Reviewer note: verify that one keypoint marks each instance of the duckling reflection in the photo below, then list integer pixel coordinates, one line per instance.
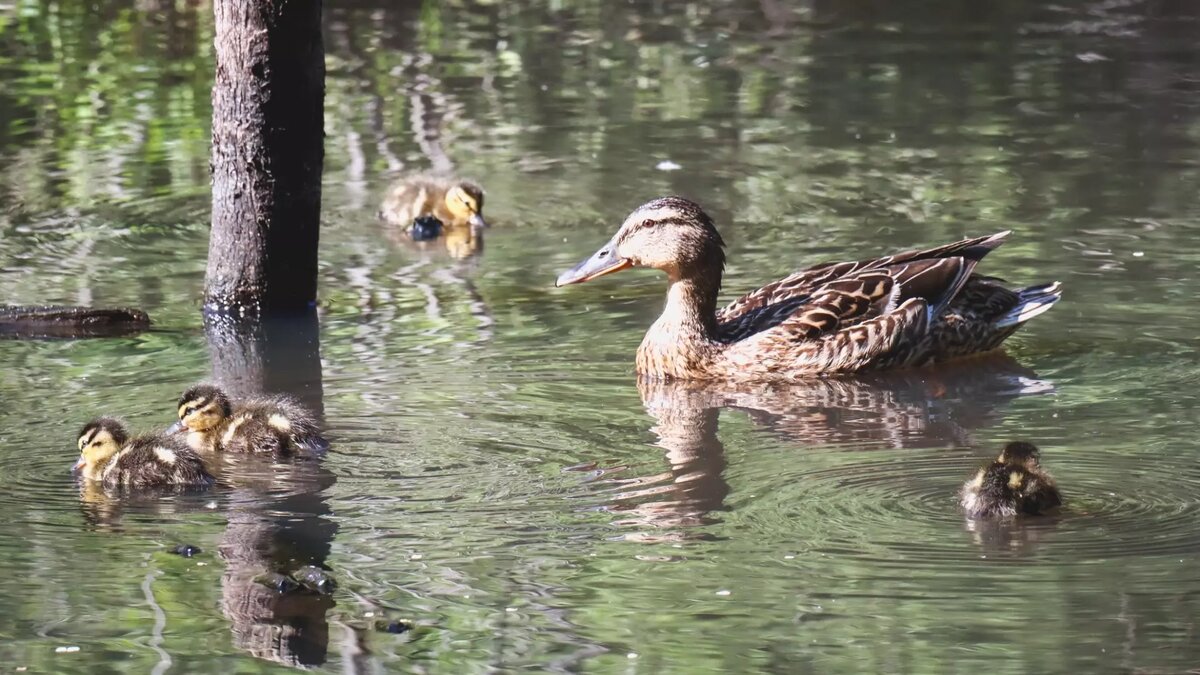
(459, 242)
(933, 407)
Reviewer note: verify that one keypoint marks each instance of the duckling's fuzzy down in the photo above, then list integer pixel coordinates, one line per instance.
(268, 425)
(1012, 485)
(145, 461)
(150, 461)
(453, 201)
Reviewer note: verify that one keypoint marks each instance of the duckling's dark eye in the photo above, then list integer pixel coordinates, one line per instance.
(189, 410)
(649, 223)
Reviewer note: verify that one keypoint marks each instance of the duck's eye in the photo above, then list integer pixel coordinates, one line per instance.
(649, 223)
(189, 410)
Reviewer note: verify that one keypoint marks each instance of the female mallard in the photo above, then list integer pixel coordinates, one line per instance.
(1014, 484)
(452, 201)
(900, 310)
(275, 424)
(108, 455)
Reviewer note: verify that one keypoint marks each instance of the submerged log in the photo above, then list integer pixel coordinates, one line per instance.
(61, 321)
(267, 157)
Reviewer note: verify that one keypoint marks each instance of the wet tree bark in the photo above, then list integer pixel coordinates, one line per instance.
(267, 156)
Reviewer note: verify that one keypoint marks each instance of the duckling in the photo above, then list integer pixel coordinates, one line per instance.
(453, 201)
(108, 455)
(1014, 484)
(276, 424)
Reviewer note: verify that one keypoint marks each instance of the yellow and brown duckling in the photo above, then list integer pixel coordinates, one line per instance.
(274, 424)
(1015, 484)
(456, 203)
(905, 309)
(109, 456)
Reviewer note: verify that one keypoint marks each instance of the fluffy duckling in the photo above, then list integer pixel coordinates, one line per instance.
(453, 201)
(276, 424)
(1014, 484)
(108, 455)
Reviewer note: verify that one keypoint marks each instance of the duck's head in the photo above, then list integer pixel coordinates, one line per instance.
(1020, 454)
(202, 407)
(671, 234)
(98, 441)
(464, 201)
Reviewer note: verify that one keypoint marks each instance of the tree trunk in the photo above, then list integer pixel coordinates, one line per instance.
(267, 156)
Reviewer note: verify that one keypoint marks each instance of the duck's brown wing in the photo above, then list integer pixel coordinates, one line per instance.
(793, 349)
(866, 314)
(935, 274)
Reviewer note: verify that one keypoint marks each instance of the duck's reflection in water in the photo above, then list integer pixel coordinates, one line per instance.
(277, 511)
(919, 408)
(664, 506)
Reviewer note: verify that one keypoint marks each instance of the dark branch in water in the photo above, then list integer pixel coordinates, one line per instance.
(57, 321)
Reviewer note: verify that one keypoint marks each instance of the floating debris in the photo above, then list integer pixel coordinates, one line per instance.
(66, 650)
(315, 579)
(426, 228)
(668, 165)
(187, 550)
(394, 627)
(280, 583)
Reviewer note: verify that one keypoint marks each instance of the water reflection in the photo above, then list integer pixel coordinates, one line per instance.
(459, 242)
(1011, 537)
(277, 511)
(664, 505)
(910, 409)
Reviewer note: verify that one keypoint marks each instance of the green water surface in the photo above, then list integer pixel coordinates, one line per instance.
(498, 477)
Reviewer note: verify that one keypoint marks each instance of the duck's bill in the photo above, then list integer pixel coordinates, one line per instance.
(601, 263)
(78, 465)
(175, 428)
(477, 220)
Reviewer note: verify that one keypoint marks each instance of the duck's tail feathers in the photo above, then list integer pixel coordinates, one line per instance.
(1032, 301)
(975, 249)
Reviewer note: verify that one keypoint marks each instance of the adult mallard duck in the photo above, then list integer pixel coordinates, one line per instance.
(109, 456)
(452, 201)
(275, 424)
(1014, 484)
(905, 309)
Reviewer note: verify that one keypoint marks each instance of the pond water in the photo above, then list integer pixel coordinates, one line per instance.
(498, 477)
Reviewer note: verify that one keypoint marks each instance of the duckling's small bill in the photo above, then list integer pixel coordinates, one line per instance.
(605, 261)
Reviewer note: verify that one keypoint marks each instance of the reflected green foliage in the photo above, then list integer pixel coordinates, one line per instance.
(500, 479)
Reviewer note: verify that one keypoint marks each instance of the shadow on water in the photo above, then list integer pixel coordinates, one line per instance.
(277, 513)
(912, 409)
